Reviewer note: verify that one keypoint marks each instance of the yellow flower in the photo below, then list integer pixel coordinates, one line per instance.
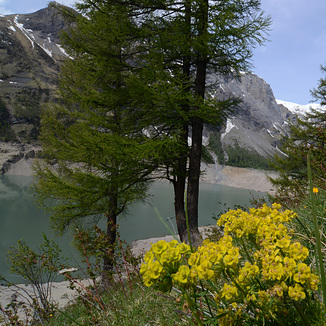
(170, 255)
(297, 251)
(313, 282)
(303, 273)
(147, 280)
(229, 292)
(182, 275)
(276, 206)
(204, 270)
(278, 290)
(183, 248)
(155, 270)
(194, 259)
(149, 256)
(247, 272)
(315, 190)
(296, 292)
(173, 243)
(289, 265)
(251, 297)
(284, 286)
(143, 268)
(232, 257)
(159, 247)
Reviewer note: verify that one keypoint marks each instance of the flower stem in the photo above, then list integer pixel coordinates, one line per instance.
(193, 309)
(301, 314)
(317, 234)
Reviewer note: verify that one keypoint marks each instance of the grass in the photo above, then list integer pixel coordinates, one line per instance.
(125, 304)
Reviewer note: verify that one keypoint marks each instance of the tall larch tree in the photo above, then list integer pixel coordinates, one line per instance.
(134, 99)
(188, 41)
(95, 155)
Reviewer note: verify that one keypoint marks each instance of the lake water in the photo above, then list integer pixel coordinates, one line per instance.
(21, 218)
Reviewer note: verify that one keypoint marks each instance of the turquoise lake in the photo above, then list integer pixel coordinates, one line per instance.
(21, 218)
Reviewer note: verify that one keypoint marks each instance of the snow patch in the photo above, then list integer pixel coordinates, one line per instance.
(28, 32)
(276, 127)
(49, 53)
(12, 28)
(228, 128)
(63, 50)
(269, 132)
(299, 108)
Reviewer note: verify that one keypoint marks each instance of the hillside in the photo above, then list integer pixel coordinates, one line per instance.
(30, 57)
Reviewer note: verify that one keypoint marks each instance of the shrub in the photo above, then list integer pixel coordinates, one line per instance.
(39, 269)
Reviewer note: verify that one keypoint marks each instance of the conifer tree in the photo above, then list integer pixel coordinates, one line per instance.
(308, 136)
(95, 156)
(134, 99)
(189, 41)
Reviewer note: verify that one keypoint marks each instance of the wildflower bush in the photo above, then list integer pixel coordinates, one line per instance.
(256, 274)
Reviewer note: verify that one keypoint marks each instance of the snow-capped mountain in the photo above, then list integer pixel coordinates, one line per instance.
(298, 108)
(260, 122)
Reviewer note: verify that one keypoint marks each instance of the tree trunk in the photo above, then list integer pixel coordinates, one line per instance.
(193, 180)
(181, 169)
(111, 232)
(197, 128)
(179, 185)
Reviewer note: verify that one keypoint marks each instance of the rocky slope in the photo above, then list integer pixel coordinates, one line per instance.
(258, 123)
(30, 57)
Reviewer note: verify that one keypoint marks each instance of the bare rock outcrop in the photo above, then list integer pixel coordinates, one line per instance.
(17, 158)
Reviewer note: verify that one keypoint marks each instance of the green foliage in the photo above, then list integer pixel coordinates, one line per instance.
(319, 93)
(120, 299)
(34, 267)
(96, 158)
(6, 133)
(242, 157)
(216, 146)
(206, 156)
(308, 136)
(134, 93)
(40, 270)
(134, 305)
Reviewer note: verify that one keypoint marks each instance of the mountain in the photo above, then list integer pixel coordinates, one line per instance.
(30, 58)
(258, 124)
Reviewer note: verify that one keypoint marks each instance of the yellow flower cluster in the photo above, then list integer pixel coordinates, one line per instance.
(163, 260)
(279, 258)
(256, 258)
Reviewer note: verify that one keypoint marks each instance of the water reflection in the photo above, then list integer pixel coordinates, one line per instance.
(143, 221)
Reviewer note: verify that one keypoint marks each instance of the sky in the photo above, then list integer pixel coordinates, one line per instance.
(290, 61)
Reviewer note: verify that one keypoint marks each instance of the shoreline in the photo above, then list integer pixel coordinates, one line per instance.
(245, 178)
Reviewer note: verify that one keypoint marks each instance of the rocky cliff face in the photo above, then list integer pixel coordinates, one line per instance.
(258, 123)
